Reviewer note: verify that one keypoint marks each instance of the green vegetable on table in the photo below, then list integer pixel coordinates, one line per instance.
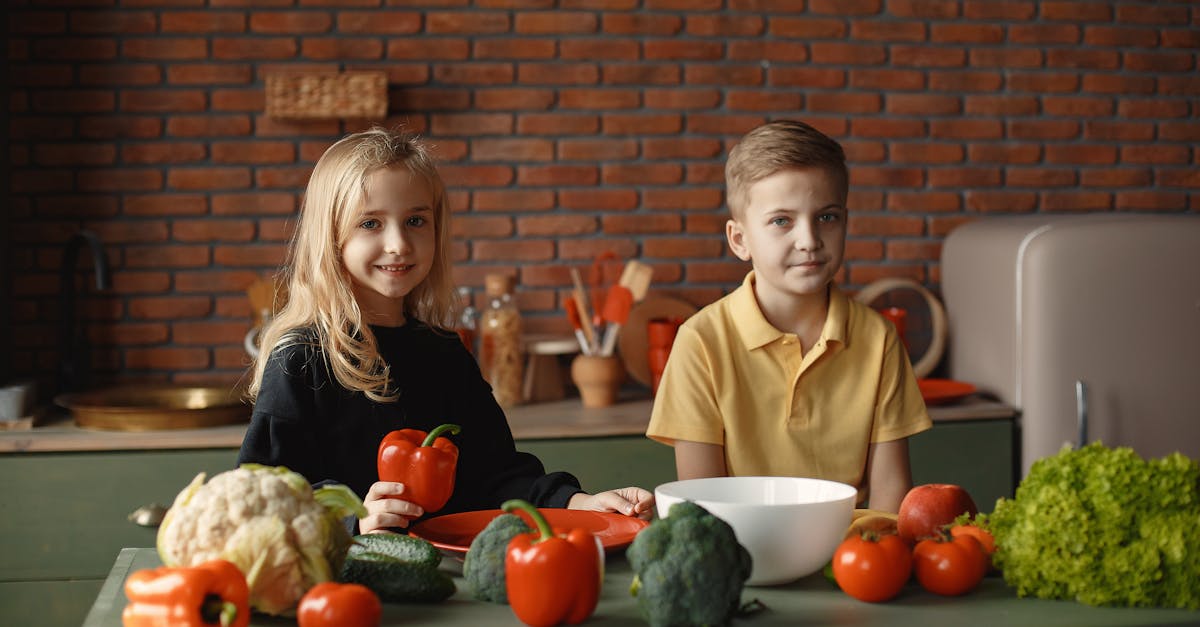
(397, 567)
(483, 567)
(690, 568)
(1104, 527)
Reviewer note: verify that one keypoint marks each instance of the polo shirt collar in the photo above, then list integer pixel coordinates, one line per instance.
(757, 332)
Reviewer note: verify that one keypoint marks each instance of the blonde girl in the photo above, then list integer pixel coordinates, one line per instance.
(360, 349)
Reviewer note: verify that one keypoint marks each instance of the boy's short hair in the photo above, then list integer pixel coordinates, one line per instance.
(776, 146)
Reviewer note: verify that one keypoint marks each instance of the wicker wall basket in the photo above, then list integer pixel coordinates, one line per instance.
(309, 95)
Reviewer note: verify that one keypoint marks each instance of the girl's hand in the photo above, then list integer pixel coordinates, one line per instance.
(386, 509)
(632, 501)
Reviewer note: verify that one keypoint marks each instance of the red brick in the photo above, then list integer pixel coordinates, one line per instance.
(557, 22)
(1184, 38)
(1007, 57)
(254, 204)
(841, 53)
(167, 49)
(128, 334)
(863, 274)
(1077, 106)
(598, 49)
(803, 28)
(127, 232)
(1043, 129)
(270, 127)
(697, 199)
(209, 74)
(1159, 61)
(1044, 34)
(208, 125)
(668, 50)
(38, 23)
(512, 149)
(705, 173)
(476, 175)
(281, 177)
(513, 200)
(589, 249)
(965, 33)
(868, 30)
(848, 103)
(162, 152)
(474, 73)
(681, 148)
(682, 248)
(641, 74)
(169, 307)
(135, 282)
(726, 272)
(164, 204)
(926, 56)
(556, 225)
(1118, 131)
(1082, 154)
(966, 129)
(722, 124)
(389, 22)
(1043, 82)
(1117, 177)
(166, 358)
(914, 250)
(598, 98)
(683, 98)
(1040, 177)
(118, 180)
(926, 152)
(527, 48)
(471, 124)
(723, 75)
(558, 175)
(441, 22)
(1179, 131)
(886, 177)
(1151, 201)
(887, 79)
(212, 230)
(702, 25)
(1083, 58)
(558, 73)
(646, 24)
(1157, 153)
(254, 48)
(275, 230)
(442, 49)
(475, 226)
(1006, 10)
(130, 74)
(253, 152)
(924, 202)
(758, 49)
(46, 75)
(1153, 13)
(208, 21)
(255, 256)
(74, 154)
(337, 48)
(606, 199)
(597, 149)
(1077, 11)
(210, 282)
(162, 101)
(863, 151)
(883, 127)
(1009, 152)
(642, 174)
(965, 81)
(523, 250)
(73, 101)
(174, 256)
(1001, 201)
(641, 124)
(1119, 85)
(208, 178)
(1179, 86)
(290, 22)
(1120, 36)
(1076, 201)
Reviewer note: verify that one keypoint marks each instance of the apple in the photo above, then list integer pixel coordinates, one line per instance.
(926, 508)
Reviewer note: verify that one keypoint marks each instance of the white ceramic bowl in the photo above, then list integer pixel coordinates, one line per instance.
(790, 525)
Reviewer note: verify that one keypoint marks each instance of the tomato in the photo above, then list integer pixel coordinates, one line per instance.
(871, 569)
(979, 533)
(950, 565)
(333, 604)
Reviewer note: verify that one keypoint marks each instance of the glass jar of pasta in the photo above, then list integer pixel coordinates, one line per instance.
(500, 356)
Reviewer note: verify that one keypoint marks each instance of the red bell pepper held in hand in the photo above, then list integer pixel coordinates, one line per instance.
(552, 579)
(424, 463)
(333, 604)
(211, 593)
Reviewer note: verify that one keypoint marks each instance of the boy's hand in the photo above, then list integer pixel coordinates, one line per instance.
(632, 501)
(386, 508)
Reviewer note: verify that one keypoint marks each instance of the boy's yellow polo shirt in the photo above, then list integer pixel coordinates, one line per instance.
(733, 379)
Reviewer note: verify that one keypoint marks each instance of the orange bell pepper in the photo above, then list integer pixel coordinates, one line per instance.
(424, 463)
(552, 579)
(206, 594)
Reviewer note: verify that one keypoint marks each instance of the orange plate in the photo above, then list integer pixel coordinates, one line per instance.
(939, 391)
(454, 532)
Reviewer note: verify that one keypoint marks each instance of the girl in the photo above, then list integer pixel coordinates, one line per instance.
(359, 349)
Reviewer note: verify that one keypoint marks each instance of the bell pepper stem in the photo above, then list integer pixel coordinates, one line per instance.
(216, 610)
(542, 524)
(433, 435)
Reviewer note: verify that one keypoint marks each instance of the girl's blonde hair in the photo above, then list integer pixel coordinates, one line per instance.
(320, 298)
(776, 146)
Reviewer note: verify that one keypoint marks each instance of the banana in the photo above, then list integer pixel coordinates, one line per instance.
(876, 521)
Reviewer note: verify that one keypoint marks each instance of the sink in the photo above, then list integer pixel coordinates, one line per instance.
(156, 407)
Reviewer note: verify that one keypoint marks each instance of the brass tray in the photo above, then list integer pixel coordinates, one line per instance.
(156, 407)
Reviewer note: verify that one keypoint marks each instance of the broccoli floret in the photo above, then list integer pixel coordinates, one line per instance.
(483, 567)
(689, 568)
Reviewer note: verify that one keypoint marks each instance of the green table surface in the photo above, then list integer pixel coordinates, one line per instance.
(809, 601)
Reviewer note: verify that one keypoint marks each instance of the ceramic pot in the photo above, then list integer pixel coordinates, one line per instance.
(598, 379)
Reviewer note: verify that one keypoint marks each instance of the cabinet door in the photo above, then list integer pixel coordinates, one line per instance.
(66, 513)
(975, 454)
(607, 463)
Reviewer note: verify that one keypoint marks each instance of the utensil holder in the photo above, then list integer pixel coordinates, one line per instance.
(598, 379)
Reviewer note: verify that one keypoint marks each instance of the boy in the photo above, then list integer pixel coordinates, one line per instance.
(786, 375)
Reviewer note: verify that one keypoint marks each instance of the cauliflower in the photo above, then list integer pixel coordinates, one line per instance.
(282, 534)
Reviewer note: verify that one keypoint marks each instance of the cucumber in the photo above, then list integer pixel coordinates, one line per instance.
(397, 546)
(397, 581)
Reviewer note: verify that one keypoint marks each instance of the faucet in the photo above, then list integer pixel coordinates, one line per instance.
(75, 359)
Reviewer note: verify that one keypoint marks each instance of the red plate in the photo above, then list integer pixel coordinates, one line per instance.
(454, 532)
(939, 391)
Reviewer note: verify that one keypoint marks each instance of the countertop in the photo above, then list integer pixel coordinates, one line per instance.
(809, 601)
(559, 419)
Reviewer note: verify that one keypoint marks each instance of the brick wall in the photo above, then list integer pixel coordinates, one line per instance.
(568, 128)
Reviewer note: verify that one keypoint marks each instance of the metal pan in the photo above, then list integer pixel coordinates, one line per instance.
(155, 407)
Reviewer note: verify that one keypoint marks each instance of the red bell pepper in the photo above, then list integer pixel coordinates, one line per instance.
(206, 594)
(424, 463)
(552, 579)
(333, 604)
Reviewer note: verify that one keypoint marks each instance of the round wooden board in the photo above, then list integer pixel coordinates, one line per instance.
(632, 342)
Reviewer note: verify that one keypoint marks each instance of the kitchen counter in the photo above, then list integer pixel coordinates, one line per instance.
(811, 600)
(554, 420)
